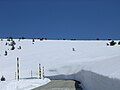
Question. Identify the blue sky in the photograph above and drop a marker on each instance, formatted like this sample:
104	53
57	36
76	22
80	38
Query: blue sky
80	19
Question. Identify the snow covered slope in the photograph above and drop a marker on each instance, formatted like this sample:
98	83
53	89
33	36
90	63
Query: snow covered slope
59	59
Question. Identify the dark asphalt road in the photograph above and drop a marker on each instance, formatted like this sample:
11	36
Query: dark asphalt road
60	85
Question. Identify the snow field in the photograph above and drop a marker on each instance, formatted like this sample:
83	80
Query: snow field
93	62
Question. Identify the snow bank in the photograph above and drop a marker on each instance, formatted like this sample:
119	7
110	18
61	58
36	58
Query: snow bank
24	84
93	81
95	75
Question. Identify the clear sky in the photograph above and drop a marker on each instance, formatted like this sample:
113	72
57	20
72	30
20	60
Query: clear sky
80	19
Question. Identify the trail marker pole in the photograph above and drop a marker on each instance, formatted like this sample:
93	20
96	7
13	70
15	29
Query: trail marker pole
43	72
31	73
15	75
18	69
39	71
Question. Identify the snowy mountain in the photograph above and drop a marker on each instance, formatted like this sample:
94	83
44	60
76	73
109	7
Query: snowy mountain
91	62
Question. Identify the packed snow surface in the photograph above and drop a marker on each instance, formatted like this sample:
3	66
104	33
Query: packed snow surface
26	84
89	61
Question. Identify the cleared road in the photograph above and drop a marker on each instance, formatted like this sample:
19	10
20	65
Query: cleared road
60	85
